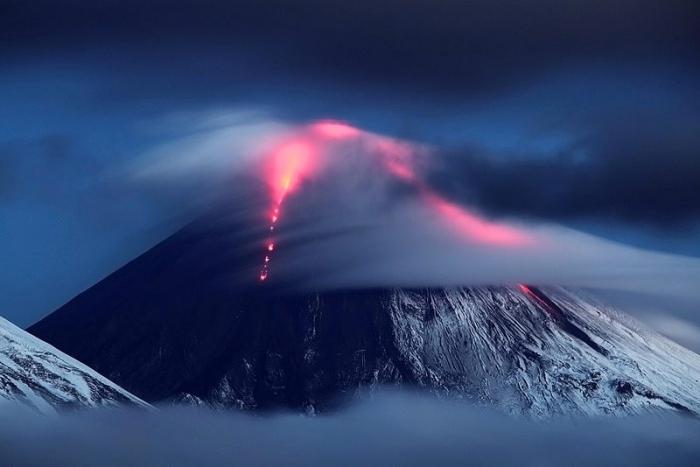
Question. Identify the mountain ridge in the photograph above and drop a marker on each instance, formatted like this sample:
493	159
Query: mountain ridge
40	376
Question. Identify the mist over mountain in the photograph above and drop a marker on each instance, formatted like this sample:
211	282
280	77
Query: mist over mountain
207	329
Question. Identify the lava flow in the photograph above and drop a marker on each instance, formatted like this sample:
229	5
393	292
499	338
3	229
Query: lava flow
303	155
286	167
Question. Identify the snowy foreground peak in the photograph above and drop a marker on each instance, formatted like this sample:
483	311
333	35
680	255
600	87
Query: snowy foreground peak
36	374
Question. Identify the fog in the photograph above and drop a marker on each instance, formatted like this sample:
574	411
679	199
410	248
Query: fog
390	429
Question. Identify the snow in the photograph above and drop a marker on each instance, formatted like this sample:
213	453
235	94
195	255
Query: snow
501	347
530	351
39	375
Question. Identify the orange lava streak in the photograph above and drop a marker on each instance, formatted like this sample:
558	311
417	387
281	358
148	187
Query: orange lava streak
302	156
288	166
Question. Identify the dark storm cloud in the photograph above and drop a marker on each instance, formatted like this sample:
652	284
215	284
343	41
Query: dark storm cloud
639	170
441	46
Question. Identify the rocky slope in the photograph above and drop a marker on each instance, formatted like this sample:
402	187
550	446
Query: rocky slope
34	373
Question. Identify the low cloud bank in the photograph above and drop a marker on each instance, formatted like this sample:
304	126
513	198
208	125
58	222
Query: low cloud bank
390	429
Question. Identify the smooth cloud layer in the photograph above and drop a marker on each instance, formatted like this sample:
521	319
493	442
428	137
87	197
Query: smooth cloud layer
452	47
390	429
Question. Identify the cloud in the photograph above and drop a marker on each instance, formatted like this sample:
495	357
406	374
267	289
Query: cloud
366	216
673	316
389	429
636	166
214	144
453	71
454	47
395	63
680	330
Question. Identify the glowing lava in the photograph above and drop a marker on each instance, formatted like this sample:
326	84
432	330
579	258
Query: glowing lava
304	155
270	246
287	166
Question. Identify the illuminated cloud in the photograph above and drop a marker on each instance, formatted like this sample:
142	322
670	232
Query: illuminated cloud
348	207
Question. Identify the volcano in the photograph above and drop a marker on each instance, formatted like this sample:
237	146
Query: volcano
188	321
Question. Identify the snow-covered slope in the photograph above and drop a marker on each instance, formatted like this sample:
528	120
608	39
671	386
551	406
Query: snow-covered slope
541	352
525	350
35	373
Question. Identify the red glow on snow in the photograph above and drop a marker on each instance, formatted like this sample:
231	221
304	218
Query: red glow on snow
541	300
335	130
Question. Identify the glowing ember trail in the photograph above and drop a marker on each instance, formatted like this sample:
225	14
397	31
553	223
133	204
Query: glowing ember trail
304	155
287	166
